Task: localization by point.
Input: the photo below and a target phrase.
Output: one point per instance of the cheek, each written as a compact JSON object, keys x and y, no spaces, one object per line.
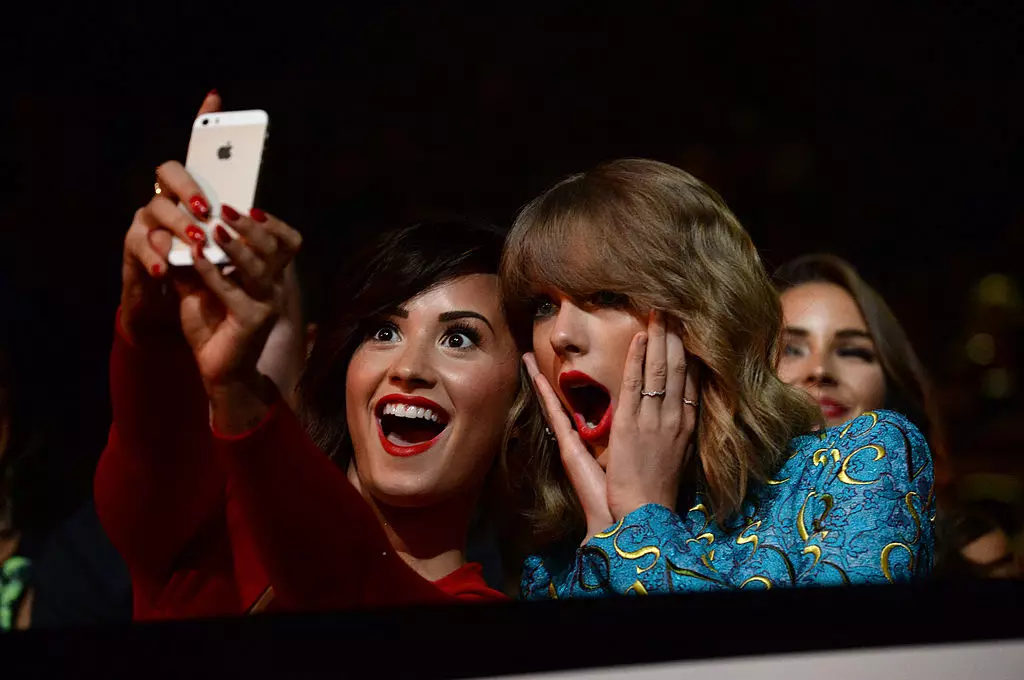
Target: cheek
{"x":789,"y":371}
{"x":361,"y":381}
{"x":869,"y":385}
{"x":485,"y":394}
{"x":543,"y":352}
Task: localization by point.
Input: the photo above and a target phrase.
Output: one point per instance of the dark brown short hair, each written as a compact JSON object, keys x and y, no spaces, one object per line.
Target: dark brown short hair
{"x":666,"y":240}
{"x":397,"y":265}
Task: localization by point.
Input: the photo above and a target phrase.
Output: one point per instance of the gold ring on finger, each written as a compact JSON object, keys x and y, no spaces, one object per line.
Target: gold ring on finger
{"x":689,"y":402}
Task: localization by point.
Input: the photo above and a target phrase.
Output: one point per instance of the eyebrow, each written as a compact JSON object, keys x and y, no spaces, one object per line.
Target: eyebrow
{"x":445,"y":317}
{"x":844,"y":334}
{"x":464,"y":314}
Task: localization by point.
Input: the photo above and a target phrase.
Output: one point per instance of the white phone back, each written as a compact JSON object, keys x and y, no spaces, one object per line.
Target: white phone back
{"x":224,"y":157}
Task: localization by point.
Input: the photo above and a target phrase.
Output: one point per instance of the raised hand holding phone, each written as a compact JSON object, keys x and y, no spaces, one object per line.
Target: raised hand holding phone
{"x":145,"y":308}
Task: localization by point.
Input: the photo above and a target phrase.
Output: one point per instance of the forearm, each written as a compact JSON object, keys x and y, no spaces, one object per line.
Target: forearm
{"x":157,"y":482}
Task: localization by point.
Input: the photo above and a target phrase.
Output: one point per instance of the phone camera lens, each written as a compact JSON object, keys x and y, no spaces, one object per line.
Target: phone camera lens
{"x":206,"y":121}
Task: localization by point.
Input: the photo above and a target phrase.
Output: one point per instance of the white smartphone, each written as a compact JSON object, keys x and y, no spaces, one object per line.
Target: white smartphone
{"x":224,"y":158}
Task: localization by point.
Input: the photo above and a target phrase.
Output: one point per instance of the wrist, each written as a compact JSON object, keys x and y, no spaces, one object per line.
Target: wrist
{"x":631,"y":504}
{"x":239,"y":405}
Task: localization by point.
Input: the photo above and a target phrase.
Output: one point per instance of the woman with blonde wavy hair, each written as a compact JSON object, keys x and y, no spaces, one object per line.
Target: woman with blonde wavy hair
{"x":677,"y":455}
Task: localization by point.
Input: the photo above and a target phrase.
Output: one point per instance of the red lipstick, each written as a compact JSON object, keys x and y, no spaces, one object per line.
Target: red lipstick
{"x":832,"y":409}
{"x":596,"y":398}
{"x":405,"y":402}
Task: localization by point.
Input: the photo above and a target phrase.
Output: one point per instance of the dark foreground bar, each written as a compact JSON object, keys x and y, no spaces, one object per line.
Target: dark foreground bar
{"x":478,"y":641}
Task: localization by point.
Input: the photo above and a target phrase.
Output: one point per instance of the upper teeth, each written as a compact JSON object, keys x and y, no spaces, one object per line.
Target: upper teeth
{"x":403,"y":411}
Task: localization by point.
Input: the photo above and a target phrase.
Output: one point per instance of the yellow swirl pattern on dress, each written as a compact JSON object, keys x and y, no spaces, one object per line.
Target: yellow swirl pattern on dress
{"x":776,"y":482}
{"x":813,"y":550}
{"x":844,"y":476}
{"x":757,"y":579}
{"x":637,"y":588}
{"x":611,"y":532}
{"x":707,"y":535}
{"x":874,"y":421}
{"x":702,"y":509}
{"x":552,"y":593}
{"x":638,"y":554}
{"x":886,"y":552}
{"x":816,"y":526}
{"x":820,"y":457}
{"x":752,"y":538}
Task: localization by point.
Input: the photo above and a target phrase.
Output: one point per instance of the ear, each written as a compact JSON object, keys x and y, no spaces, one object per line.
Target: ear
{"x":310,"y":338}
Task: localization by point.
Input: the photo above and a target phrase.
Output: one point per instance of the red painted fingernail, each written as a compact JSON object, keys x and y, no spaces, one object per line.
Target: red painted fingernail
{"x":195,"y":233}
{"x":198,"y":252}
{"x":199,"y":207}
{"x":212,"y":92}
{"x":221,"y":235}
{"x":156,"y":270}
{"x":229,"y":213}
{"x":258,"y":215}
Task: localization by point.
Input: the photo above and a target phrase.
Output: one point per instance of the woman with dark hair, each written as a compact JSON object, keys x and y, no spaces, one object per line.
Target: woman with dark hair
{"x":682,"y":460}
{"x":846,"y":349}
{"x":224,"y":497}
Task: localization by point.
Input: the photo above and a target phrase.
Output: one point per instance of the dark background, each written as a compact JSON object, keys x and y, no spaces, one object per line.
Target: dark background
{"x":891,"y":137}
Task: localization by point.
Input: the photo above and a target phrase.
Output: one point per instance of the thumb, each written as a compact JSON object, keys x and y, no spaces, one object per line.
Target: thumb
{"x":212,"y":103}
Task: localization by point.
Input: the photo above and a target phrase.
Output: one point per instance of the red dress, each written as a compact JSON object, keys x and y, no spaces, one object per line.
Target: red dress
{"x":206,"y":523}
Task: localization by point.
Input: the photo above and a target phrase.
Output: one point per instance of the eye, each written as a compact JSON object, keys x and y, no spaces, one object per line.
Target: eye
{"x":543,"y":307}
{"x":862,"y":353}
{"x":385,"y":333}
{"x":791,"y":350}
{"x":607,"y":298}
{"x":461,"y":337}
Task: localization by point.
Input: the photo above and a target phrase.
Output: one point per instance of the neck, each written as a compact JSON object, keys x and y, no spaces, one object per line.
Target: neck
{"x":431,"y":539}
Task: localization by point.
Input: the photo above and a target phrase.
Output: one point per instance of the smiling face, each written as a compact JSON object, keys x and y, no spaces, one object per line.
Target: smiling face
{"x":428,"y":393}
{"x":829,"y":352}
{"x":581,"y":348}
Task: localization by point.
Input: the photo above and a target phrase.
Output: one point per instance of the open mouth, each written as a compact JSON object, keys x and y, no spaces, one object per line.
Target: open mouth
{"x":409,"y":425}
{"x":590,"y":403}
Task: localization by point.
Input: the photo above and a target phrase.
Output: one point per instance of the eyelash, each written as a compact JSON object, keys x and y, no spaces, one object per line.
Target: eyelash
{"x":858,"y":352}
{"x":863,"y":354}
{"x":464,"y":329}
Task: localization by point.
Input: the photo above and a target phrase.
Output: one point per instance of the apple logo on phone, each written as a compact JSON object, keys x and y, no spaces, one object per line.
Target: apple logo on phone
{"x":224,"y":152}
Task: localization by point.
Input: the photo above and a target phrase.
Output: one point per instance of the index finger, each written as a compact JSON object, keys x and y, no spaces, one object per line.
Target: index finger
{"x":211,"y":104}
{"x":173,"y":177}
{"x":633,"y":374}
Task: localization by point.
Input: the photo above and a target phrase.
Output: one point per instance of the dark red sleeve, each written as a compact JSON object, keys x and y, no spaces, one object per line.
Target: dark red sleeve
{"x":319,"y":541}
{"x":158,"y":485}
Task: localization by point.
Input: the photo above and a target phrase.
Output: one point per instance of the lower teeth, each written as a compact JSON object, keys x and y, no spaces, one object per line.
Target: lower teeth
{"x":591,"y":425}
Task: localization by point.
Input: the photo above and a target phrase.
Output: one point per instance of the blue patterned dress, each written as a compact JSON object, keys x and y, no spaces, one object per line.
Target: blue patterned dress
{"x":851,"y":504}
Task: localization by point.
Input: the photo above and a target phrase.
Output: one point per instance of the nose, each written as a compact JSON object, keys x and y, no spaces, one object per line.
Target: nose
{"x":820,"y":370}
{"x":569,"y":335}
{"x":412,"y":367}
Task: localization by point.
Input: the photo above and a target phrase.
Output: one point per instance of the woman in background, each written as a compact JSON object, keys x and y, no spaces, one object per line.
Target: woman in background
{"x":846,"y":349}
